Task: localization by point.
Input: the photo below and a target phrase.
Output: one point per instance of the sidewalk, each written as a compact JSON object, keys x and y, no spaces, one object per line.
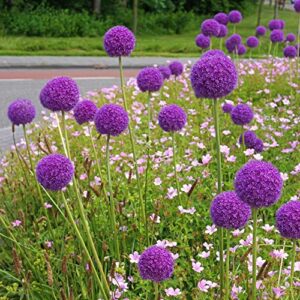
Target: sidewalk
{"x":82,"y":62}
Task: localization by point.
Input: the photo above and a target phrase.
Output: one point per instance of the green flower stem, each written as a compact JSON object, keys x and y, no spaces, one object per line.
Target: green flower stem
{"x":156,"y":288}
{"x":131,"y":135}
{"x":174,"y":165}
{"x":292,"y":270}
{"x":227,"y":281}
{"x":219,"y":176}
{"x":105,"y":292}
{"x":254,"y":253}
{"x":111,"y":202}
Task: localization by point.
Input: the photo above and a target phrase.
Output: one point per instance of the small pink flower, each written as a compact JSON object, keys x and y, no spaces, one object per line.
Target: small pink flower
{"x":134,"y":257}
{"x":47,"y":205}
{"x":172,"y":292}
{"x":16,"y":223}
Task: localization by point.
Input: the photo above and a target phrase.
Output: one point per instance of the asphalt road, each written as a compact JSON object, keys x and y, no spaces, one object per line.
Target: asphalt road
{"x":27,"y":83}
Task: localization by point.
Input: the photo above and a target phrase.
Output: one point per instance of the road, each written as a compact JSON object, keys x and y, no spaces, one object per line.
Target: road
{"x":27,"y":83}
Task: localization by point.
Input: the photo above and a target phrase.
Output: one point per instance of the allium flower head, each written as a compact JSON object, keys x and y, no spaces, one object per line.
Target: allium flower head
{"x":242,"y":114}
{"x":227,"y":108}
{"x":176,"y":67}
{"x":297,"y":6}
{"x":258,"y":146}
{"x":213,"y":77}
{"x":165,"y":72}
{"x":277,"y":36}
{"x":119,"y":41}
{"x":228,"y":211}
{"x":210,"y":27}
{"x":202,"y":41}
{"x":232,"y":42}
{"x":150,"y":79}
{"x":111,"y":119}
{"x":290,"y":51}
{"x":290,"y":37}
{"x":258,"y":183}
{"x":54,"y":172}
{"x":60,"y":94}
{"x":252,"y":42}
{"x":221,"y":18}
{"x":223,"y":31}
{"x":261,"y":30}
{"x":156,"y":264}
{"x":85,"y":111}
{"x":288,"y":220}
{"x":213,"y":52}
{"x":275,"y":24}
{"x":249,"y":139}
{"x":172,"y":118}
{"x":235,"y":16}
{"x":241,"y":49}
{"x":21,"y":111}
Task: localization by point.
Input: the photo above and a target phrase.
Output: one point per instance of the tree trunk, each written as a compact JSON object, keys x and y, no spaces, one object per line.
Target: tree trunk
{"x":260,"y":6}
{"x":97,"y":7}
{"x":270,"y":2}
{"x":276,"y":9}
{"x":135,"y":15}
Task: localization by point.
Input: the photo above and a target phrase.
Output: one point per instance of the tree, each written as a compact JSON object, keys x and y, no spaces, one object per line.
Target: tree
{"x":97,"y":7}
{"x":135,"y":15}
{"x":260,"y":6}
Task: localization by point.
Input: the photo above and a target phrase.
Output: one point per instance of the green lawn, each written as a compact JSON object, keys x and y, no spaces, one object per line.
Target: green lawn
{"x":163,"y":45}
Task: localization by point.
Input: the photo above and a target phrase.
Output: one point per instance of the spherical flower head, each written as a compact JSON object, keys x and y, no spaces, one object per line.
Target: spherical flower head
{"x":297,"y":6}
{"x":288,"y":220}
{"x":21,"y":112}
{"x":290,"y":51}
{"x":202,"y":41}
{"x":156,"y":264}
{"x":252,"y":42}
{"x":223,"y":31}
{"x":150,"y":79}
{"x":227,"y":108}
{"x":277,"y":36}
{"x":213,"y":52}
{"x":210,"y":27}
{"x":242,"y":114}
{"x":176,"y":67}
{"x":119,"y":41}
{"x":172,"y":118}
{"x":261,"y":30}
{"x":60,"y":94}
{"x":241,"y":49}
{"x":165,"y":72}
{"x":85,"y":111}
{"x":235,"y":17}
{"x":290,"y":37}
{"x":229,"y":212}
{"x":249,"y":139}
{"x":221,"y":18}
{"x":111,"y":119}
{"x":282,"y":24}
{"x":54,"y":172}
{"x":213,"y":77}
{"x":275,"y":24}
{"x":258,"y":184}
{"x":258,"y":146}
{"x":233,"y":42}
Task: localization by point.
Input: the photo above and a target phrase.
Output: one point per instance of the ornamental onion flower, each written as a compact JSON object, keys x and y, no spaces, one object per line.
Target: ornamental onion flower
{"x":242,"y":114}
{"x":290,"y":51}
{"x":223,"y":31}
{"x":221,"y":18}
{"x":241,"y":49}
{"x":252,"y":42}
{"x":165,"y":72}
{"x":202,"y":41}
{"x":275,"y":24}
{"x":227,"y":108}
{"x":235,"y":17}
{"x":210,"y":27}
{"x":176,"y":67}
{"x":172,"y":118}
{"x":249,"y":138}
{"x":277,"y":36}
{"x":258,"y":146}
{"x":290,"y":37}
{"x":261,"y":30}
{"x":213,"y":52}
{"x":150,"y":79}
{"x":21,"y":112}
{"x":85,"y":111}
{"x":297,"y":6}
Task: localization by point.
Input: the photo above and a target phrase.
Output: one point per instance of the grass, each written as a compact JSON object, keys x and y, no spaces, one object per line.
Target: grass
{"x":161,"y":45}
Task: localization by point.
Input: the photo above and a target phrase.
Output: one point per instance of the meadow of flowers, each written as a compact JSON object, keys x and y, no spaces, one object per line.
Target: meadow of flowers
{"x":181,"y":183}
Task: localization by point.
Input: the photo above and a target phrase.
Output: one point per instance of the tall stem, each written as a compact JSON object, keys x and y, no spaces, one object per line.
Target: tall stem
{"x":156,"y":288}
{"x":254,"y":253}
{"x":111,"y":202}
{"x":142,"y":206}
{"x":227,"y":288}
{"x":292,"y":270}
{"x":174,"y":165}
{"x":219,"y":176}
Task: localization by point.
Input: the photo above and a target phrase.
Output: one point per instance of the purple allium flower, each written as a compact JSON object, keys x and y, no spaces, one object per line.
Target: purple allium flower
{"x":176,"y":67}
{"x":242,"y":114}
{"x":258,"y":183}
{"x":275,"y":24}
{"x":235,"y":16}
{"x":21,"y":111}
{"x":229,"y":212}
{"x":210,"y":27}
{"x":232,"y":42}
{"x":297,"y":6}
{"x":227,"y":108}
{"x":165,"y":72}
{"x":202,"y":41}
{"x":277,"y":36}
{"x":60,"y":94}
{"x":213,"y":77}
{"x":252,"y":42}
{"x":261,"y":30}
{"x":119,"y":41}
{"x":282,"y":24}
{"x":213,"y":53}
{"x":288,"y":220}
{"x":111,"y":119}
{"x":150,"y":79}
{"x":290,"y":51}
{"x":221,"y":18}
{"x":241,"y":49}
{"x":85,"y":111}
{"x":172,"y":118}
{"x":290,"y":37}
{"x":258,"y":146}
{"x":54,"y":172}
{"x":223,"y":31}
{"x":249,"y":139}
{"x":156,"y":264}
